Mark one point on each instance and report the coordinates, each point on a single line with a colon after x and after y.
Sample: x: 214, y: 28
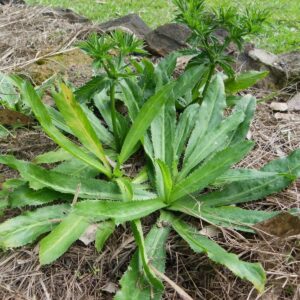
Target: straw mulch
x: 82, y: 273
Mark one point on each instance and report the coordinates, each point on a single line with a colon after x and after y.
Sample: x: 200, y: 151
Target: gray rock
x: 290, y: 62
x: 262, y: 56
x: 283, y: 68
x: 294, y: 103
x: 130, y: 23
x: 4, y: 2
x: 167, y: 38
x: 279, y: 106
x: 65, y: 13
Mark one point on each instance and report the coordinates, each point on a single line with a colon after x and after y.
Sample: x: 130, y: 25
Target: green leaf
x: 133, y: 285
x: 245, y: 191
x: 102, y: 103
x: 241, y: 175
x: 100, y: 210
x: 43, y: 117
x: 252, y: 272
x: 247, y: 105
x: 210, y: 170
x: 187, y: 81
x: 78, y: 122
x: 184, y: 127
x: 4, y: 132
x: 104, y: 231
x: 210, y: 115
x: 137, y: 230
x: 26, y: 228
x: 129, y: 98
x: 243, y: 81
x: 8, y: 93
x: 163, y: 133
x: 211, y: 142
x: 89, y: 89
x: 24, y: 195
x: 77, y: 168
x: 40, y: 178
x: 61, y: 238
x: 287, y: 170
x: 4, y: 193
x: 289, y: 164
x: 57, y: 119
x: 52, y: 157
x: 167, y: 65
x: 225, y: 216
x: 164, y: 182
x: 143, y: 120
x: 126, y: 188
x: 235, y: 217
x: 101, y: 131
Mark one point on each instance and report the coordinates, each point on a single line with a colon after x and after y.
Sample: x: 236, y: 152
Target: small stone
x: 210, y: 231
x: 262, y: 56
x: 279, y: 106
x: 294, y: 103
x: 89, y: 235
x: 110, y: 288
x: 131, y: 23
x: 287, y: 117
x: 167, y: 38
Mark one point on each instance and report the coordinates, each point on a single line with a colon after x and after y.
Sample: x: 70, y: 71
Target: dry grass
x: 84, y: 274
x: 28, y: 34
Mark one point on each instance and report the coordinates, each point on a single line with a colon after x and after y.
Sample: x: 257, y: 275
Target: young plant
x: 189, y: 172
x: 214, y: 30
x: 109, y: 53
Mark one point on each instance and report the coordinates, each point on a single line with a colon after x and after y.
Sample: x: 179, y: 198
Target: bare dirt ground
x: 27, y: 36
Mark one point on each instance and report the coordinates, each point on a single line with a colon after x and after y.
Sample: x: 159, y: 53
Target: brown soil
x: 82, y: 273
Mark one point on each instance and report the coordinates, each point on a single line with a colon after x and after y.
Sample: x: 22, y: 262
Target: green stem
x: 114, y: 114
x: 210, y: 75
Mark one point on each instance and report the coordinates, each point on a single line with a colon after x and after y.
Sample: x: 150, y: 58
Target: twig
x: 177, y: 288
x: 76, y: 194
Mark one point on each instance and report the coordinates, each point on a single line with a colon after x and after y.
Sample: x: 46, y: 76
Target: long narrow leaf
x: 246, y: 105
x: 42, y: 115
x: 286, y: 170
x: 26, y: 228
x: 163, y: 133
x: 164, y: 182
x: 226, y: 216
x: 40, y: 178
x: 95, y: 85
x: 78, y: 122
x: 100, y: 210
x: 61, y: 238
x: 136, y: 227
x: 133, y: 285
x: 210, y: 115
x: 104, y: 231
x: 209, y: 171
x: 24, y: 195
x: 252, y: 272
x: 234, y: 175
x: 143, y: 120
x: 243, y: 81
x: 101, y: 131
x: 213, y: 141
x: 245, y: 191
x: 185, y: 126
